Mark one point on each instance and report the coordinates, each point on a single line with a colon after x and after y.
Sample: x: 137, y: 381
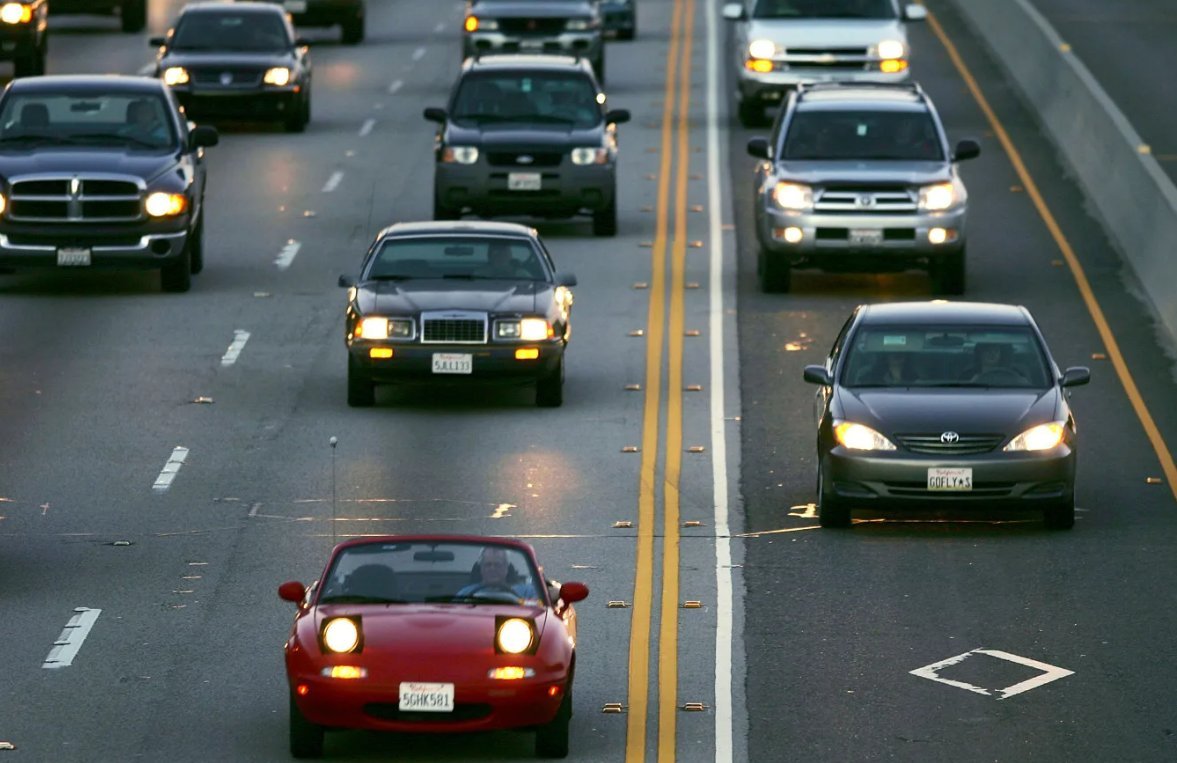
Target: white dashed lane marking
x: 239, y: 340
x: 396, y: 85
x: 333, y: 181
x: 440, y: 27
x: 418, y: 54
x: 367, y: 126
x: 170, y: 470
x: 70, y: 641
x: 287, y: 255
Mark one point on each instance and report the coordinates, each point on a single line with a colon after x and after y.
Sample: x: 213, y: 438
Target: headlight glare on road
x: 938, y: 197
x: 460, y: 154
x: 515, y: 636
x: 373, y: 328
x: 761, y: 49
x: 16, y: 13
x: 586, y: 155
x: 175, y: 75
x: 860, y: 437
x: 341, y: 635
x: 1041, y: 437
x: 891, y: 49
x: 278, y: 76
x: 794, y: 197
x: 160, y: 204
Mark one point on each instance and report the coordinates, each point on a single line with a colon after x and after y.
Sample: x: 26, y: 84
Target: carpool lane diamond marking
x: 1049, y: 673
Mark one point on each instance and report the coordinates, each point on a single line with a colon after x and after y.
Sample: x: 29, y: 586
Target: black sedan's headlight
x: 380, y: 327
x: 524, y: 329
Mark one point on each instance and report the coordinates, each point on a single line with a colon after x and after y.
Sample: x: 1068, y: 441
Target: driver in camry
x: 493, y: 570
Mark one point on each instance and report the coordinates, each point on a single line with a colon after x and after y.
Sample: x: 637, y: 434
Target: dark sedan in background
x: 944, y: 405
x: 238, y: 60
x: 454, y: 302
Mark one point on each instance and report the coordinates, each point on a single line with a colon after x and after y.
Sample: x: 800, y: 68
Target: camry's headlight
x: 1041, y: 437
x: 579, y: 25
x: 515, y: 636
x: 762, y: 49
x: 460, y: 154
x: 891, y: 49
x: 860, y: 437
x: 475, y: 24
x: 341, y: 634
x: 526, y: 330
x: 279, y: 76
x: 938, y: 197
x: 175, y: 75
x: 160, y: 204
x: 16, y: 13
x: 794, y: 197
x: 586, y: 155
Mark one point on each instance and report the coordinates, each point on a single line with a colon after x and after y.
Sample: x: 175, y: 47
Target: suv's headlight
x: 279, y: 76
x: 160, y: 204
x: 460, y: 154
x: 891, y: 49
x: 175, y: 75
x: 379, y: 327
x: 475, y: 24
x: 1041, y: 437
x: 525, y: 330
x: 16, y: 13
x: 762, y: 49
x: 580, y: 25
x: 794, y: 197
x: 938, y: 197
x: 860, y: 437
x: 586, y: 155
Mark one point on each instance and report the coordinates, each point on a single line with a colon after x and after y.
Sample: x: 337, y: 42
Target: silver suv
x: 780, y: 44
x: 860, y: 178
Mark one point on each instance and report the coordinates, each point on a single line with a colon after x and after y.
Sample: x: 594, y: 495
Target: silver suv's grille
x: 961, y: 445
x: 453, y: 327
x: 828, y: 58
x: 865, y: 201
x: 76, y: 199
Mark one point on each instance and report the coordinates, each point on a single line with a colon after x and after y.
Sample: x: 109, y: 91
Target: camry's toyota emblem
x: 525, y: 159
x: 865, y: 200
x: 226, y: 78
x: 75, y: 187
x: 948, y: 438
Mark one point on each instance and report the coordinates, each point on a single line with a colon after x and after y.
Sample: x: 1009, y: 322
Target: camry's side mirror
x: 966, y: 149
x: 203, y: 136
x: 292, y: 591
x: 434, y: 114
x: 617, y: 116
x: 157, y: 42
x: 1076, y: 376
x: 818, y: 375
x: 758, y: 147
x: 913, y: 12
x: 347, y: 282
x: 565, y: 279
x: 734, y: 12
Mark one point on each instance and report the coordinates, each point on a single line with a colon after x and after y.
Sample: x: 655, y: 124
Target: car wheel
x: 134, y: 15
x: 1060, y: 516
x: 442, y: 212
x: 750, y: 113
x: 176, y: 277
x: 549, y: 390
x: 361, y: 392
x: 306, y: 739
x: 948, y: 273
x: 353, y: 31
x: 196, y: 248
x: 775, y: 273
x: 605, y: 220
x: 551, y: 740
x: 296, y: 120
x: 830, y: 512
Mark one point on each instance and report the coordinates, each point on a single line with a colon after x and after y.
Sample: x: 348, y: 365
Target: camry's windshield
x: 139, y: 121
x: 824, y: 9
x: 875, y: 135
x: 945, y: 356
x: 463, y: 257
x: 252, y: 32
x: 432, y: 572
x: 556, y: 98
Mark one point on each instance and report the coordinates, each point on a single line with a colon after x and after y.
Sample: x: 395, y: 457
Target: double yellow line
x: 663, y: 323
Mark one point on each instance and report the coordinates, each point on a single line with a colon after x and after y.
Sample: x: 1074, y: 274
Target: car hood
x: 435, y: 630
x: 18, y: 161
x: 820, y: 33
x: 865, y: 172
x: 492, y: 296
x: 522, y: 137
x: 531, y: 9
x: 1008, y: 411
x: 228, y: 59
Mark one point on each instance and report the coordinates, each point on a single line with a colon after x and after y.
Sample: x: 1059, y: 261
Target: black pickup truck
x: 101, y: 171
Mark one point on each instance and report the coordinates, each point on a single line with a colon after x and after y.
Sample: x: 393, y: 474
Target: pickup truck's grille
x: 74, y: 199
x: 865, y: 201
x: 453, y: 328
x: 533, y: 26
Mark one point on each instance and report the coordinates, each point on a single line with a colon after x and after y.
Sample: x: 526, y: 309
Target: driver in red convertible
x: 494, y: 573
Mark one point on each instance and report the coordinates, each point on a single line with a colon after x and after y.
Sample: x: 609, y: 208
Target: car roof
x: 97, y: 83
x: 466, y: 228
x: 856, y: 96
x: 941, y: 311
x: 242, y: 5
x: 499, y: 62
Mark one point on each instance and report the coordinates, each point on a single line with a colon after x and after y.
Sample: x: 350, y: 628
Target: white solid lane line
x: 287, y: 255
x: 170, y: 469
x: 239, y: 340
x: 396, y: 85
x: 70, y: 641
x: 366, y: 127
x: 418, y: 54
x: 333, y: 181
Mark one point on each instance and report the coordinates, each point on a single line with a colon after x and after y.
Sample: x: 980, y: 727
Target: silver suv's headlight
x: 762, y: 49
x: 460, y: 154
x: 587, y: 155
x: 938, y: 197
x: 891, y: 49
x: 794, y: 197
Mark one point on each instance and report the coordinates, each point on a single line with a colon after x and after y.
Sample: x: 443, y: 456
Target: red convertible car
x: 434, y: 633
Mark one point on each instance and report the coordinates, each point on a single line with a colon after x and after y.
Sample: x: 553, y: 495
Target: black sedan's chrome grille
x: 453, y: 328
x: 942, y: 444
x: 227, y: 76
x: 75, y: 199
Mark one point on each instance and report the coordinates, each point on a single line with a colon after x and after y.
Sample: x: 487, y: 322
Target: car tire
x: 551, y: 739
x: 353, y: 31
x: 948, y: 273
x: 750, y: 113
x: 1060, y: 516
x: 549, y: 389
x: 605, y: 220
x: 196, y: 248
x: 776, y: 275
x: 298, y: 119
x: 361, y: 392
x: 306, y: 738
x: 176, y: 277
x: 134, y: 15
x: 442, y: 212
x: 830, y: 511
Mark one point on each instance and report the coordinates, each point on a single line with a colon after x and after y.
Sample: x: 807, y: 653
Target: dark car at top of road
x: 620, y: 17
x: 132, y: 13
x: 237, y: 59
x: 527, y: 135
x: 348, y: 15
x: 560, y: 27
x: 24, y: 36
x: 944, y: 405
x: 101, y: 171
x: 457, y: 301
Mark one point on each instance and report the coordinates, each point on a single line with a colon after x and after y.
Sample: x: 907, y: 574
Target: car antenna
x: 333, y: 442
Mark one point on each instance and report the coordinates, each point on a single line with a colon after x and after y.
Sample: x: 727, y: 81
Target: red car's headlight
x: 342, y: 635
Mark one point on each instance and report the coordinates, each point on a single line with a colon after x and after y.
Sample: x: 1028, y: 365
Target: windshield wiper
x: 357, y: 599
x: 58, y: 139
x: 391, y: 277
x: 109, y: 137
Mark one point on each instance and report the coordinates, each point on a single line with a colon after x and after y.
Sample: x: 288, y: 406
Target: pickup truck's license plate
x: 73, y: 257
x: 295, y: 6
x: 453, y: 363
x: 866, y: 237
x: 427, y: 698
x: 524, y: 181
x: 956, y: 480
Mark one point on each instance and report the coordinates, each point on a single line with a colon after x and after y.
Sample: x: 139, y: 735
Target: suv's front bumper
x: 565, y: 190
x: 586, y: 44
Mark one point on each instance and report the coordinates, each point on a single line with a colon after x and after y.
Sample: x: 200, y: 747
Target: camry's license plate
x: 453, y: 363
x: 73, y: 257
x: 295, y: 6
x: 866, y: 237
x: 524, y: 181
x: 427, y: 698
x: 950, y: 479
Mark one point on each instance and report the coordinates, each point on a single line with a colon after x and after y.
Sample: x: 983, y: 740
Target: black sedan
x: 944, y: 405
x: 457, y: 301
x: 237, y: 60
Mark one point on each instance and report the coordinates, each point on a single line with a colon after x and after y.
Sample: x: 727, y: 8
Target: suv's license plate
x: 866, y: 237
x: 524, y: 181
x: 453, y: 363
x: 427, y: 698
x: 73, y: 257
x: 950, y: 479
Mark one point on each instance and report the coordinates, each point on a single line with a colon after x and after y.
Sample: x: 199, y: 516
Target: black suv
x: 132, y: 13
x: 24, y: 36
x: 527, y: 135
x: 101, y: 172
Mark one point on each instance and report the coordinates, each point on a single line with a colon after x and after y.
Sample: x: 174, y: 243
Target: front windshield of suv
x: 529, y: 97
x: 139, y: 121
x: 945, y: 356
x: 252, y: 32
x: 462, y: 257
x: 824, y: 9
x: 895, y: 135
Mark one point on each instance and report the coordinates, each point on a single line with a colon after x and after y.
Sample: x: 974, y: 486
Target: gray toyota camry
x: 944, y: 405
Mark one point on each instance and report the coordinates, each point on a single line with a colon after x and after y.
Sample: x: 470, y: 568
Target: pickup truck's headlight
x: 525, y: 330
x: 891, y: 49
x: 16, y: 13
x: 515, y: 636
x: 1041, y: 437
x: 278, y: 76
x: 938, y: 197
x: 160, y: 204
x: 580, y: 25
x: 794, y: 197
x: 590, y: 155
x: 460, y: 154
x: 475, y: 24
x: 860, y: 437
x: 175, y: 75
x: 761, y: 49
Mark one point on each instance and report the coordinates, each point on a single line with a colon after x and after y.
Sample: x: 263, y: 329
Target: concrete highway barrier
x: 1133, y: 198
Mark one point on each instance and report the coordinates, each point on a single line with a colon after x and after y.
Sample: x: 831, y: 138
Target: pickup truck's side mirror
x: 734, y: 12
x: 913, y: 12
x: 617, y: 116
x: 434, y: 114
x: 758, y: 147
x: 203, y: 136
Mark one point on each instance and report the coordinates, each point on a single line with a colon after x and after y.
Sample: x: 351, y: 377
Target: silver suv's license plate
x: 73, y: 257
x: 866, y: 237
x: 453, y: 363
